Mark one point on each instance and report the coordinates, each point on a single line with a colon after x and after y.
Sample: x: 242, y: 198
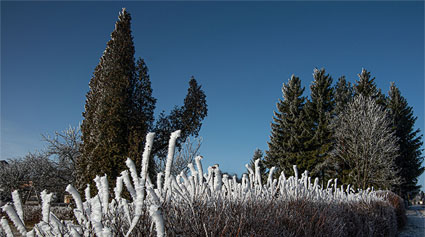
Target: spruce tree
x: 289, y: 133
x: 366, y: 86
x: 319, y: 110
x: 409, y: 161
x: 343, y: 95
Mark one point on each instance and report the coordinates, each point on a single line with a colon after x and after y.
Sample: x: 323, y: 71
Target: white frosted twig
x: 5, y: 226
x: 77, y: 198
x: 15, y: 218
x: 270, y: 178
x: 145, y: 156
x: 199, y: 166
x: 153, y: 195
x: 56, y: 223
x: 105, y: 193
x: 46, y: 199
x: 118, y: 188
x: 217, y: 178
x: 128, y: 184
x: 124, y: 205
x: 159, y: 181
x: 170, y: 155
x: 156, y: 215
x: 18, y: 205
x: 257, y: 172
x: 192, y: 169
x: 87, y: 192
x: 138, y: 211
x: 295, y: 171
x: 133, y: 172
x: 249, y: 169
x: 96, y: 215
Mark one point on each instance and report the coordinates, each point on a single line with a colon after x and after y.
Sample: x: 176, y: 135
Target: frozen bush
x: 212, y: 204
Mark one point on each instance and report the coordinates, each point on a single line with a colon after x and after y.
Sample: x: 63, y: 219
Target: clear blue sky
x: 241, y: 53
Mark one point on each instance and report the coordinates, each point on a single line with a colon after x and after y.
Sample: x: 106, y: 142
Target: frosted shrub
x: 206, y: 204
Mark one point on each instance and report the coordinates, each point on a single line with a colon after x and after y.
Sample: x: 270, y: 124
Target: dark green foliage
x: 105, y: 129
x: 343, y: 95
x: 187, y: 118
x: 142, y: 114
x: 289, y: 132
x: 119, y: 112
x: 319, y: 110
x: 303, y: 131
x: 410, y: 158
x: 366, y: 86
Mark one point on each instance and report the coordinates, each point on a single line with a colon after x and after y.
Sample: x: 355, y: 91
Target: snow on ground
x: 415, y: 226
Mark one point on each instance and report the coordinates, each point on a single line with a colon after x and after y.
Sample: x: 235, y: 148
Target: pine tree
x: 319, y: 110
x: 105, y: 126
x: 343, y: 95
x: 409, y: 161
x: 289, y: 133
x: 366, y: 86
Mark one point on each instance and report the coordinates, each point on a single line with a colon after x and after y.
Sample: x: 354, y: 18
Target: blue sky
x: 240, y: 52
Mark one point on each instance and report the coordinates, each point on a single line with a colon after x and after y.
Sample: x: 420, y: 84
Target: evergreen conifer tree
x: 289, y: 133
x: 409, y: 160
x: 105, y: 126
x: 319, y: 110
x: 366, y: 86
x: 187, y: 118
x: 119, y: 112
x: 142, y: 113
x: 343, y: 95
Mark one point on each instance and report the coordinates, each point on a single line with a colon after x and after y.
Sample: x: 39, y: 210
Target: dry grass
x: 275, y: 218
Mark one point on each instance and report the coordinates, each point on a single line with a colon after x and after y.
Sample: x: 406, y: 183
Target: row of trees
x: 352, y: 132
x: 51, y: 169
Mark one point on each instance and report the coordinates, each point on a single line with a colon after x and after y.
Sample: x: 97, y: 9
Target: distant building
x: 419, y: 199
x: 3, y: 163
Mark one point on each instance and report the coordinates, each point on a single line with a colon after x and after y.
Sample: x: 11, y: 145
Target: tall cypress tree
x: 119, y: 111
x: 289, y: 133
x: 105, y: 126
x: 409, y: 161
x: 319, y: 110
